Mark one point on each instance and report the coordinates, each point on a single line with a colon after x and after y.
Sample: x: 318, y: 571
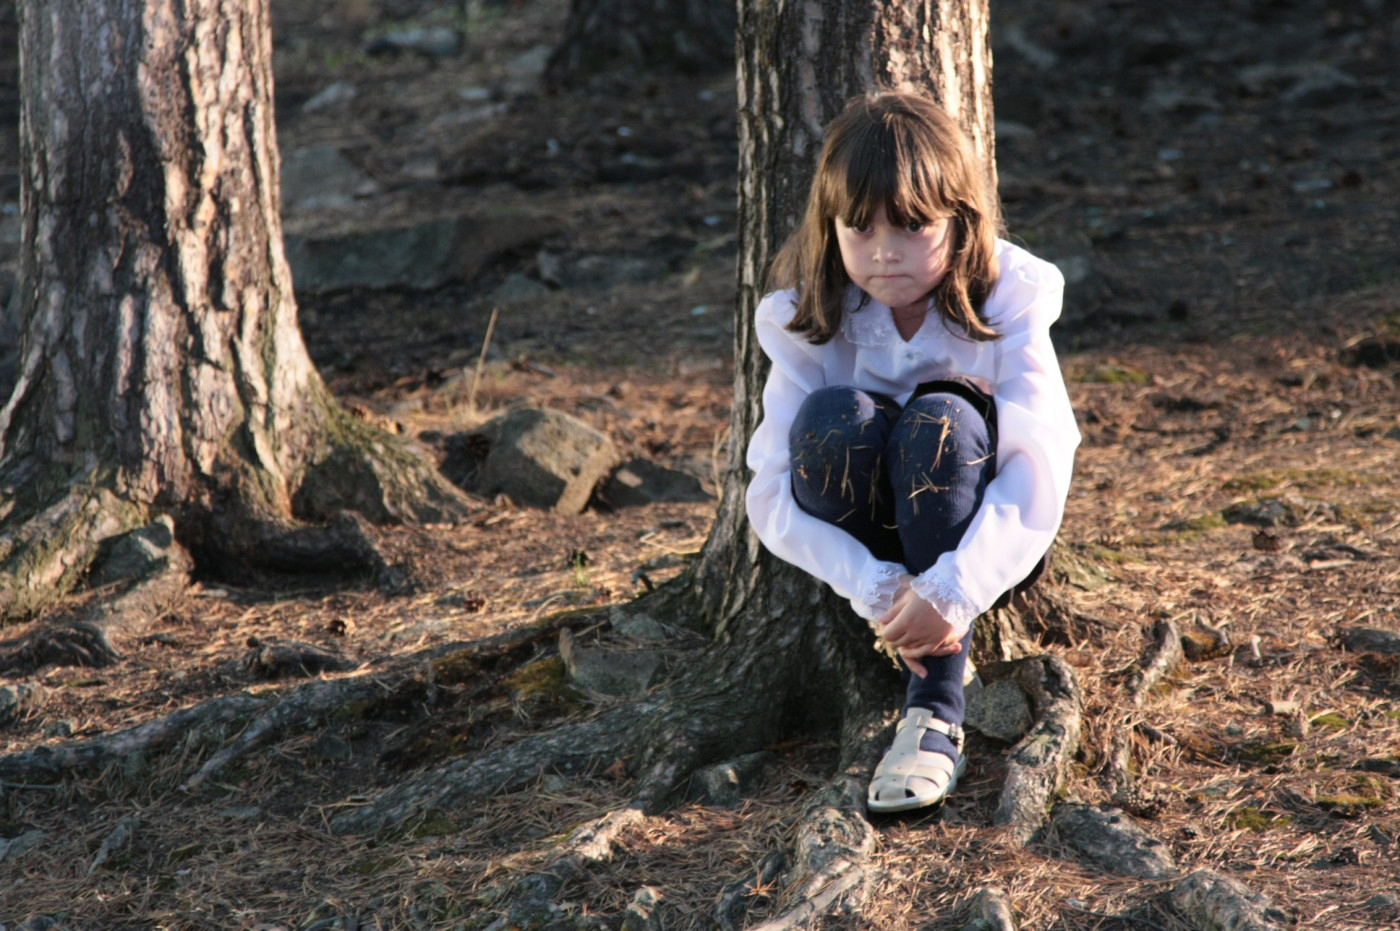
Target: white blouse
x: 1037, y: 435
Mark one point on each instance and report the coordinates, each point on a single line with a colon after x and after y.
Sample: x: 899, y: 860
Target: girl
x: 917, y: 441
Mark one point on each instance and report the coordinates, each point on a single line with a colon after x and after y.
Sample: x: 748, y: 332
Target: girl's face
x: 896, y: 265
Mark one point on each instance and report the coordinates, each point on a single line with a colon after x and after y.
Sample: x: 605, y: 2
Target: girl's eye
x: 914, y: 226
x: 859, y: 228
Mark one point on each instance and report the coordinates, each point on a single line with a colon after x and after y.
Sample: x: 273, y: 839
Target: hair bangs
x: 885, y: 166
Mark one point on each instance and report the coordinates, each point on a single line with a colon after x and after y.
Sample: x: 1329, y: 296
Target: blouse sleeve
x: 790, y: 533
x: 1037, y: 436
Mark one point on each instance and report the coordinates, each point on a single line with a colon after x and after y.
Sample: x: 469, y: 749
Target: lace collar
x: 867, y: 323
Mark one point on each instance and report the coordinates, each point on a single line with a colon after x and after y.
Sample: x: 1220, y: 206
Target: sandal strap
x: 923, y: 718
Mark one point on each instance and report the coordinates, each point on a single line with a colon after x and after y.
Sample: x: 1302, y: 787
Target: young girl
x: 917, y: 441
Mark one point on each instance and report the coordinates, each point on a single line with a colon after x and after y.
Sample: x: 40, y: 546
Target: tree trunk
x: 654, y: 35
x: 160, y: 366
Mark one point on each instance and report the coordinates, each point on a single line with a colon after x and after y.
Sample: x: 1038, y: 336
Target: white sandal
x: 909, y: 777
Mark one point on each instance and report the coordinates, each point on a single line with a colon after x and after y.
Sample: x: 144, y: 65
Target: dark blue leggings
x: 904, y: 482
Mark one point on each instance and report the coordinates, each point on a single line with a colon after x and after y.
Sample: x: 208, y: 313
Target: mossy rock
x: 1254, y: 819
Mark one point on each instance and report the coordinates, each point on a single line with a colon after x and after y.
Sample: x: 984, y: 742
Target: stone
x: 1212, y: 902
x: 619, y: 673
x: 331, y: 97
x: 319, y: 176
x: 1113, y: 841
x: 990, y: 910
x: 429, y: 41
x: 639, y: 481
x: 421, y: 256
x: 16, y: 847
x: 637, y: 625
x: 518, y: 288
x: 19, y: 700
x: 1000, y: 710
x: 1369, y: 640
x: 644, y: 913
x: 137, y: 554
x: 729, y: 783
x: 543, y: 458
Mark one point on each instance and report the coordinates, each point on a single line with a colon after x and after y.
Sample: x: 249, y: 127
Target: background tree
x: 161, y: 369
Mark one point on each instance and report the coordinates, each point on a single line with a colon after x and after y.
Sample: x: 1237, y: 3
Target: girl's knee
x: 943, y: 416
x: 839, y: 413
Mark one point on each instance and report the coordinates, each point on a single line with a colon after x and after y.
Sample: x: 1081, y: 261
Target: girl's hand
x: 916, y: 629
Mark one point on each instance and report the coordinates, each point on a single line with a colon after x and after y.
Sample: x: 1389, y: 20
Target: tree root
x: 737, y: 898
x: 1163, y: 653
x: 1038, y: 765
x: 531, y: 899
x: 343, y: 547
x: 1212, y: 902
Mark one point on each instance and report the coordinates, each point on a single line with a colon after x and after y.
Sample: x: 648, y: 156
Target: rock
x: 523, y: 72
x: 1113, y: 841
x: 620, y: 673
x: 1321, y: 86
x: 1369, y: 640
x: 18, y: 700
x: 636, y: 625
x: 15, y: 847
x: 640, y: 481
x: 1211, y: 902
x: 990, y: 910
x: 114, y: 844
x: 320, y: 176
x: 1000, y: 710
x: 10, y: 224
x: 518, y: 288
x: 429, y: 41
x: 729, y: 783
x: 644, y: 914
x: 543, y: 458
x: 422, y: 256
x: 137, y: 554
x: 332, y: 97
x: 1267, y: 512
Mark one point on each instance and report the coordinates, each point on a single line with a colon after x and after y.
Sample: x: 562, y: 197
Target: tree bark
x: 653, y: 35
x: 160, y: 359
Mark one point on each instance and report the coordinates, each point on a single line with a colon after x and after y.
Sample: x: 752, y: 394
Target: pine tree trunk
x: 160, y: 359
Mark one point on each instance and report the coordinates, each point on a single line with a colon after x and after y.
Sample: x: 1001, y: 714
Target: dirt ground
x: 1219, y: 184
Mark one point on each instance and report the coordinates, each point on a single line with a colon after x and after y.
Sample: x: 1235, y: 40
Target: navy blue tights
x: 906, y: 483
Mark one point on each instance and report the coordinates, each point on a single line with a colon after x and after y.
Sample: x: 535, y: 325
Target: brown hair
x: 903, y: 152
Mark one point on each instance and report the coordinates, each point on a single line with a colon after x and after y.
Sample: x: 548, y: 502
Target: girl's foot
x: 911, y: 777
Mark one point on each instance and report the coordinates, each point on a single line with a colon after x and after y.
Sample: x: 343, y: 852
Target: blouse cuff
x: 875, y: 591
x: 939, y: 590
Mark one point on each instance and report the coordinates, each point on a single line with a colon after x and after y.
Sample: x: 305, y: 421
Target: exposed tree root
x: 530, y: 900
x: 1038, y: 765
x: 990, y: 910
x: 1163, y: 653
x: 274, y: 659
x: 737, y: 898
x: 1211, y: 902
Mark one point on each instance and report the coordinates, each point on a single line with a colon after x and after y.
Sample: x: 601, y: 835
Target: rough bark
x: 1037, y: 767
x: 654, y: 35
x: 160, y: 367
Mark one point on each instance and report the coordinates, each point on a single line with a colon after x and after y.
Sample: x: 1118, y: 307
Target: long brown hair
x: 903, y: 152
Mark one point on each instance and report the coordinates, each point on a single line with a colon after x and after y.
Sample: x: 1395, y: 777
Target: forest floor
x: 1220, y: 189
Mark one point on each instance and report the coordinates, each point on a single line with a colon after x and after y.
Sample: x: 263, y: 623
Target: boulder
x: 542, y: 458
x: 320, y: 176
x: 999, y: 710
x: 619, y: 673
x: 640, y: 481
x: 137, y: 554
x: 728, y: 783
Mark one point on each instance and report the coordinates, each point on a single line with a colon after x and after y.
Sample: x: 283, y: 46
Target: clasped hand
x: 917, y: 629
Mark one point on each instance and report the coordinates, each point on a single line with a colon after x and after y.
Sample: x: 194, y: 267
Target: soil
x: 1218, y: 184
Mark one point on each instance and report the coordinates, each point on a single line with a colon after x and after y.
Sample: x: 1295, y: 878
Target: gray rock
x: 1211, y: 902
x: 543, y: 458
x: 1321, y: 86
x: 320, y: 176
x: 640, y: 481
x: 16, y: 847
x: 644, y: 914
x: 422, y: 256
x: 10, y: 224
x: 1369, y: 640
x: 137, y: 554
x: 606, y: 271
x: 430, y: 41
x: 332, y: 97
x: 637, y: 625
x: 518, y: 288
x: 525, y: 70
x: 19, y: 700
x: 1113, y: 841
x: 620, y: 673
x: 1000, y: 710
x: 730, y: 782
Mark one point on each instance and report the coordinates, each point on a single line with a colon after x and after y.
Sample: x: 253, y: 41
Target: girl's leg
x: 837, y: 443
x: 942, y: 454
